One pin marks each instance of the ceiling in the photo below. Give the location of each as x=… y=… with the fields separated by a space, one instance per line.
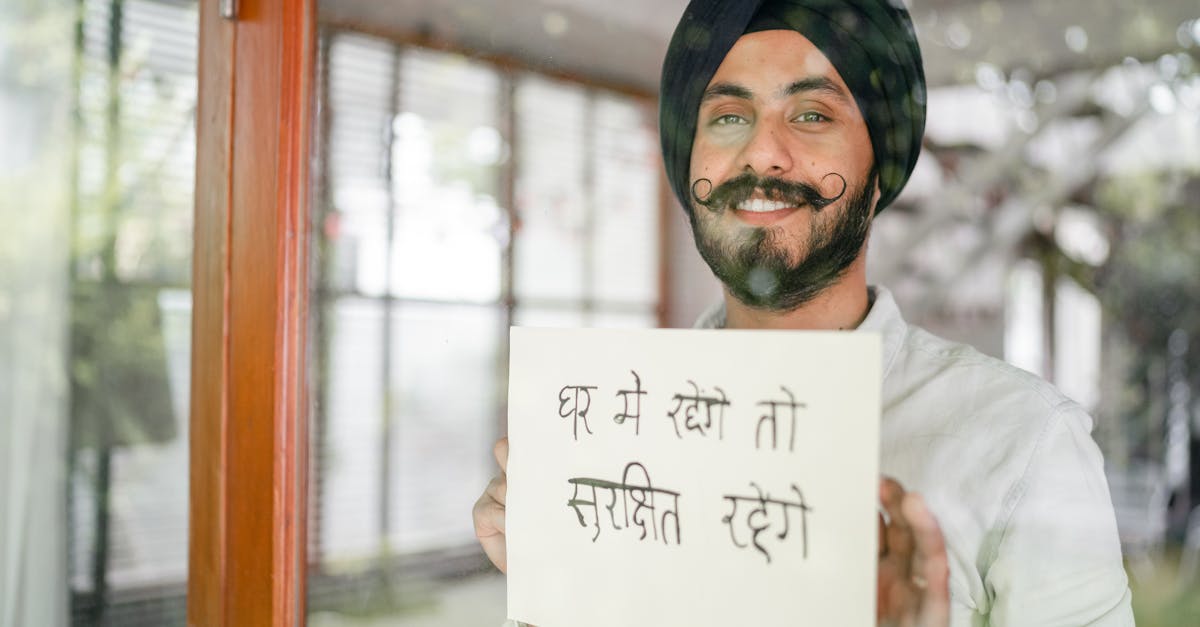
x=623 y=41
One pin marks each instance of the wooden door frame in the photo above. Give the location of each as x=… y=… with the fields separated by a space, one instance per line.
x=248 y=439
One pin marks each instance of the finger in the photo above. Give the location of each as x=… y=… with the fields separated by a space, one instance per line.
x=897 y=535
x=890 y=592
x=488 y=514
x=489 y=529
x=501 y=453
x=497 y=489
x=882 y=535
x=495 y=550
x=891 y=494
x=930 y=566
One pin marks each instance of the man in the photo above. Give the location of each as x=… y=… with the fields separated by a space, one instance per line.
x=786 y=126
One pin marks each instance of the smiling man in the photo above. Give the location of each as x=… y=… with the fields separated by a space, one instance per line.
x=784 y=154
x=787 y=125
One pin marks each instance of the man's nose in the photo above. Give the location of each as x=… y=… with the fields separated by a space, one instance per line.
x=767 y=153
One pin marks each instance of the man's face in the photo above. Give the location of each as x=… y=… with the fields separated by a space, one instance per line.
x=782 y=172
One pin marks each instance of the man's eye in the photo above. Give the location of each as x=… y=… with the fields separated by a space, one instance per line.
x=729 y=119
x=811 y=116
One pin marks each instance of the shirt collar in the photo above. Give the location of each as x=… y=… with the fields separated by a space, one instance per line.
x=883 y=318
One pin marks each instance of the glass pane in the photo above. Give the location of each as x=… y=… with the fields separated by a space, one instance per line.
x=446 y=398
x=624 y=320
x=575 y=318
x=96 y=187
x=137 y=141
x=456 y=196
x=400 y=446
x=511 y=170
x=410 y=330
x=449 y=227
x=627 y=203
x=541 y=317
x=356 y=196
x=438 y=439
x=350 y=425
x=552 y=232
x=130 y=336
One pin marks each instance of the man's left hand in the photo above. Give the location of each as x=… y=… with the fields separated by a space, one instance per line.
x=914 y=577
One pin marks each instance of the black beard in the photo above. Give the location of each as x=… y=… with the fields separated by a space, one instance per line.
x=757 y=269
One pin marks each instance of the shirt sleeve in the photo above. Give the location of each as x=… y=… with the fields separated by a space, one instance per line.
x=1058 y=561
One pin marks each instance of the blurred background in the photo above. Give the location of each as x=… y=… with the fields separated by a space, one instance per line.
x=487 y=163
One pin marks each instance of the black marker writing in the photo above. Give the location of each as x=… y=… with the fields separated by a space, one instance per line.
x=637 y=393
x=635 y=488
x=570 y=396
x=758 y=519
x=771 y=418
x=690 y=404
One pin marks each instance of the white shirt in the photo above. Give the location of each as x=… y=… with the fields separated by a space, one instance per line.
x=1008 y=466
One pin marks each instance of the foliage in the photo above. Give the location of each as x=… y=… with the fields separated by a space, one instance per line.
x=120 y=392
x=1163 y=597
x=1150 y=280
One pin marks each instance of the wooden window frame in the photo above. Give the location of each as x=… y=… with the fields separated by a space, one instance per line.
x=249 y=407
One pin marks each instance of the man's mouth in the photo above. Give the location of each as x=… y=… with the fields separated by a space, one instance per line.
x=762 y=205
x=763 y=212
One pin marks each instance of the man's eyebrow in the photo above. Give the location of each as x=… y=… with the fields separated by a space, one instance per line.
x=819 y=84
x=727 y=89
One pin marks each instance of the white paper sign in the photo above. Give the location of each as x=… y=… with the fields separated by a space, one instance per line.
x=695 y=478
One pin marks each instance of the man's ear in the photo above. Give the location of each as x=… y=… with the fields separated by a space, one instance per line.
x=876 y=196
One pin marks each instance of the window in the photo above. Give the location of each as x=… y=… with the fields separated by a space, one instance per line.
x=459 y=197
x=130 y=275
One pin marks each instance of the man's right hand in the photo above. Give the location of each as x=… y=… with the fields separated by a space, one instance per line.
x=489 y=511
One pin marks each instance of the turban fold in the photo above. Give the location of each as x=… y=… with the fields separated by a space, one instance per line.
x=871 y=43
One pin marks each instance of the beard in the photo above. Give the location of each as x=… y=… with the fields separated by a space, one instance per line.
x=764 y=267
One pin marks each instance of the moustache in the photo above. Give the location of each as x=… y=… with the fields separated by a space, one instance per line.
x=740 y=188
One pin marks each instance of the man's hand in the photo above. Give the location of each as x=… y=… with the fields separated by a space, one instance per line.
x=914 y=577
x=489 y=511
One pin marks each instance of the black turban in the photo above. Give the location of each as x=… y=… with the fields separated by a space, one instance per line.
x=871 y=43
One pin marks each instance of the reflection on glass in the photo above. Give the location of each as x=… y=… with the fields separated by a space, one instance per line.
x=136 y=141
x=348 y=456
x=625 y=244
x=588 y=197
x=131 y=234
x=358 y=96
x=574 y=318
x=437 y=230
x=410 y=320
x=554 y=318
x=442 y=398
x=446 y=397
x=414 y=161
x=446 y=153
x=551 y=182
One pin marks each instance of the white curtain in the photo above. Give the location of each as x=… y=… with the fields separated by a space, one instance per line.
x=35 y=96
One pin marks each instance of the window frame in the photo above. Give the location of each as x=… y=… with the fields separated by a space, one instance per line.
x=248 y=431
